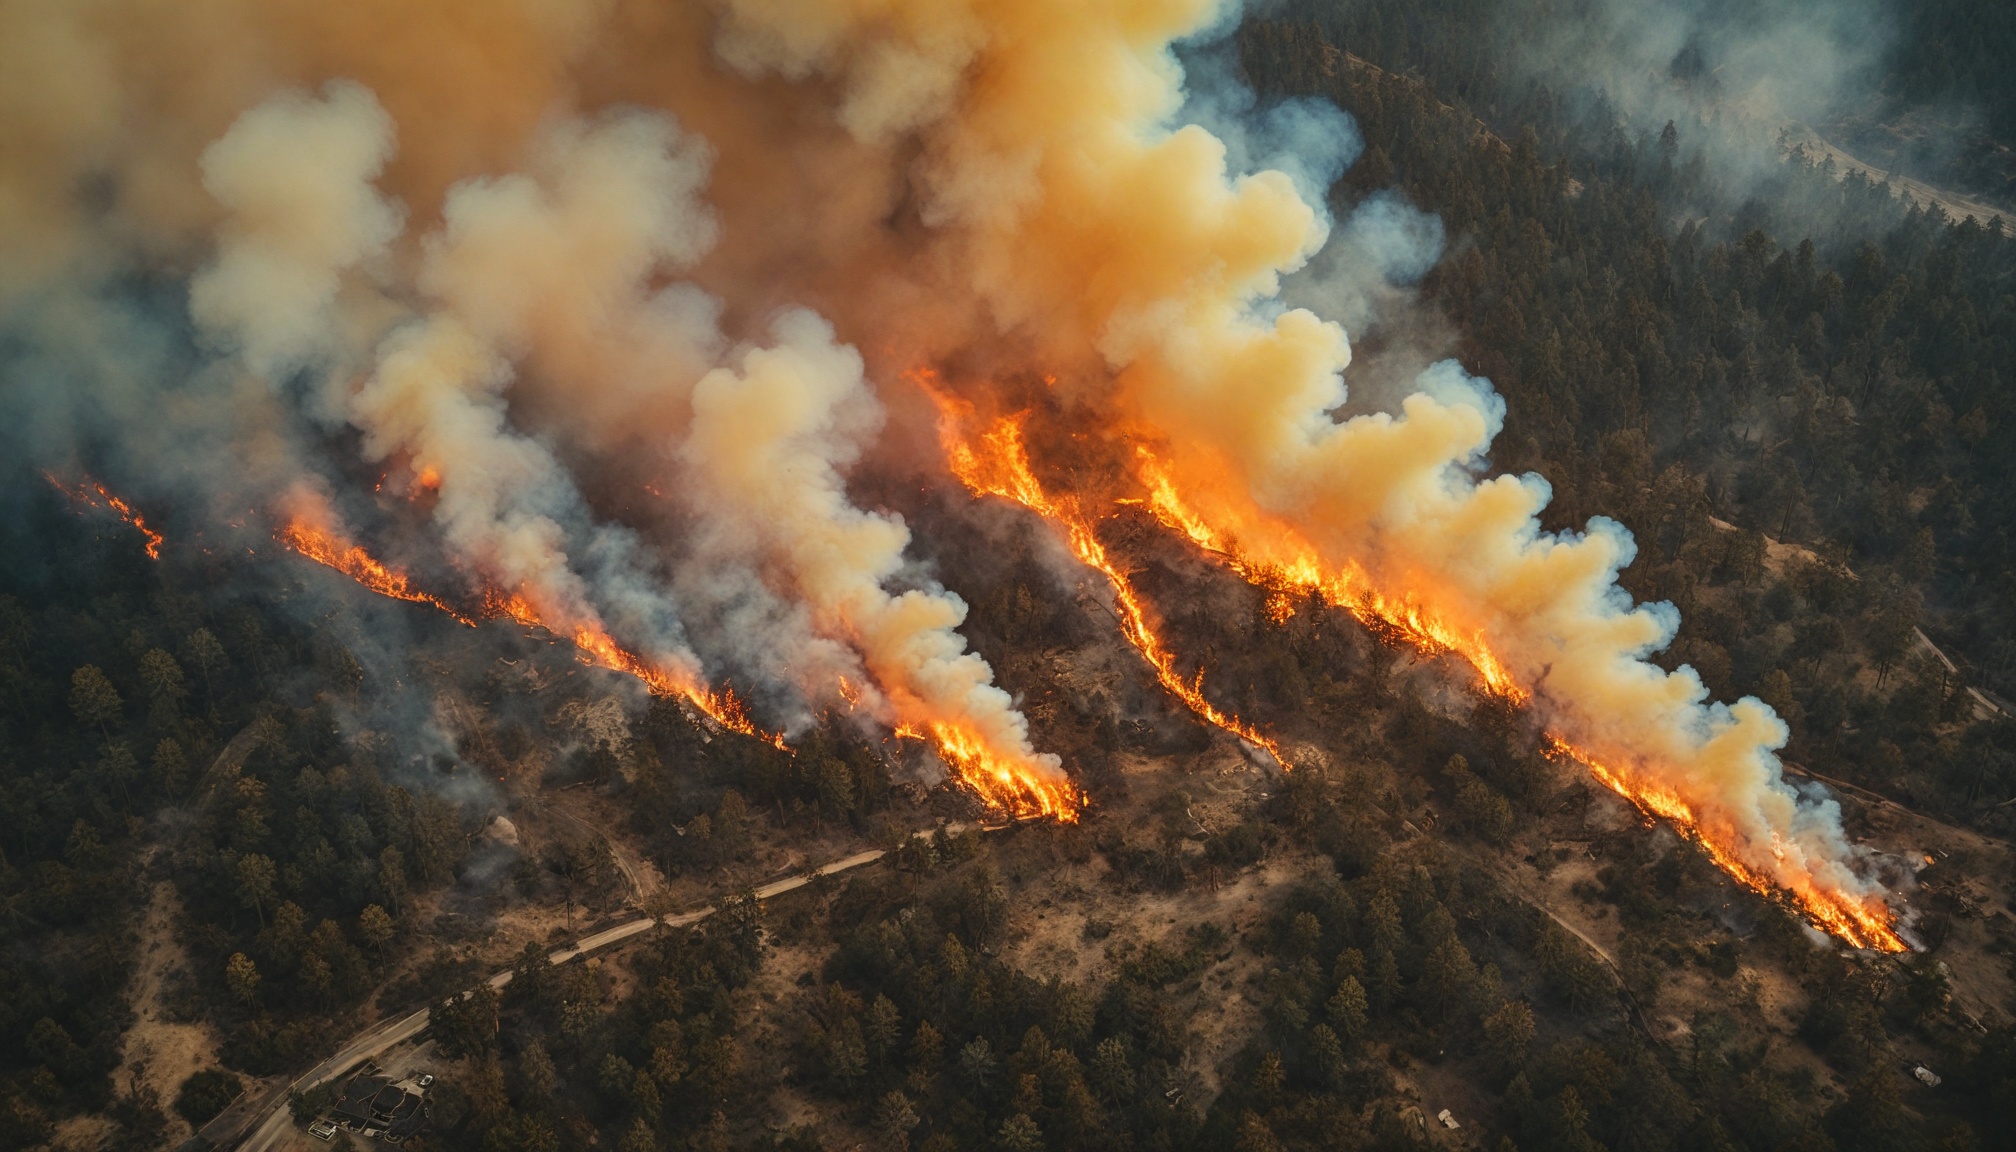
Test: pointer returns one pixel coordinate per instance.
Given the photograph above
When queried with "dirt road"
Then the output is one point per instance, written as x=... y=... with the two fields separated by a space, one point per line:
x=1917 y=191
x=260 y=1124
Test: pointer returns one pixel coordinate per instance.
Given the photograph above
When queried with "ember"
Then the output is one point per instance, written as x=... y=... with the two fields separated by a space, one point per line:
x=94 y=494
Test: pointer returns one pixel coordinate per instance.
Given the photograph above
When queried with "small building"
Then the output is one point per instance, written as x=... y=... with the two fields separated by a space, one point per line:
x=380 y=1107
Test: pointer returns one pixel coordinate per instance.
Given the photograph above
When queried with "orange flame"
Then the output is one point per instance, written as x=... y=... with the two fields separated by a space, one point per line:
x=331 y=550
x=997 y=464
x=1000 y=467
x=1002 y=783
x=1864 y=922
x=1350 y=589
x=90 y=492
x=599 y=649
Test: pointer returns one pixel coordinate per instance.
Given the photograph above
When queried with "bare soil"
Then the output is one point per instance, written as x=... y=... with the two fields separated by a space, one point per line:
x=1917 y=191
x=159 y=1051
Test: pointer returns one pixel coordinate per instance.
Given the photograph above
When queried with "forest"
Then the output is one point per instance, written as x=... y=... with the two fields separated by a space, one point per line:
x=1790 y=390
x=1834 y=387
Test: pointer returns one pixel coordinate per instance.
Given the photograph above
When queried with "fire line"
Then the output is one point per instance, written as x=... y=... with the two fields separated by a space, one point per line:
x=599 y=649
x=93 y=494
x=1867 y=924
x=1002 y=786
x=1863 y=923
x=996 y=463
x=332 y=551
x=1001 y=468
x=1350 y=589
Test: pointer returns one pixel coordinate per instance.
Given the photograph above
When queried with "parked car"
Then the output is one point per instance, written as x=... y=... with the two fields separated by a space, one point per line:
x=323 y=1129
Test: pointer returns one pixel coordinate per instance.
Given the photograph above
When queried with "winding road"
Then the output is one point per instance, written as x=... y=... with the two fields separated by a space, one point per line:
x=260 y=1124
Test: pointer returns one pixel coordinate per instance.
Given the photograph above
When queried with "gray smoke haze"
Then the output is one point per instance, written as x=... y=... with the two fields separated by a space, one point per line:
x=1763 y=60
x=1732 y=77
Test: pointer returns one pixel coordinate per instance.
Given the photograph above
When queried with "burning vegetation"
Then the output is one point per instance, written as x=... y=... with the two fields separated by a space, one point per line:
x=991 y=460
x=1867 y=923
x=1394 y=743
x=596 y=648
x=997 y=781
x=317 y=542
x=92 y=494
x=533 y=287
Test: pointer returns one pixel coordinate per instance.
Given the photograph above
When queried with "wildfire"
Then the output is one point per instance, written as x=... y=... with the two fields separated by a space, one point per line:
x=1350 y=589
x=1865 y=923
x=1000 y=467
x=599 y=649
x=996 y=463
x=331 y=550
x=1000 y=782
x=92 y=493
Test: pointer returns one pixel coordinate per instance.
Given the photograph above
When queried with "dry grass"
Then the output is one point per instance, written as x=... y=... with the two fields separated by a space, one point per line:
x=159 y=1052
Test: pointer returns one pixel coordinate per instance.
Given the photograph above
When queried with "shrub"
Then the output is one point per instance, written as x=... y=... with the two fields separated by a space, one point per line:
x=205 y=1094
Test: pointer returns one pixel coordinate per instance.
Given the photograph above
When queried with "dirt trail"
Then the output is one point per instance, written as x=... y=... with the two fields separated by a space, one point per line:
x=159 y=1052
x=233 y=755
x=1917 y=191
x=260 y=1121
x=639 y=875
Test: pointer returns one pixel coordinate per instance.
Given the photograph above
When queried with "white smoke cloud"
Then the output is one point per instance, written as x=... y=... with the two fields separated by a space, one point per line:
x=547 y=281
x=1022 y=172
x=1082 y=218
x=296 y=175
x=770 y=440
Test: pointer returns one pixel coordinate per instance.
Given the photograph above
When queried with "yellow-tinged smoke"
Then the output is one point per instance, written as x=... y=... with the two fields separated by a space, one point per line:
x=1118 y=246
x=550 y=272
x=768 y=440
x=555 y=273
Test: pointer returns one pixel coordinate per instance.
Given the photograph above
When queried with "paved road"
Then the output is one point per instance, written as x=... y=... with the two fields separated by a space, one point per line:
x=262 y=1123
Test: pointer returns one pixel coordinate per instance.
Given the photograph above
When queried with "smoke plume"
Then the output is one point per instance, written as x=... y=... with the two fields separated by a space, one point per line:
x=691 y=250
x=768 y=443
x=1120 y=242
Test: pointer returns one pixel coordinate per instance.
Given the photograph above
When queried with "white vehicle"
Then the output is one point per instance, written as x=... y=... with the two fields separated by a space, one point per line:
x=323 y=1129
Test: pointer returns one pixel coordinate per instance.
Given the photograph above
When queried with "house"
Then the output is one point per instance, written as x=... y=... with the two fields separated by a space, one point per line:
x=381 y=1107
